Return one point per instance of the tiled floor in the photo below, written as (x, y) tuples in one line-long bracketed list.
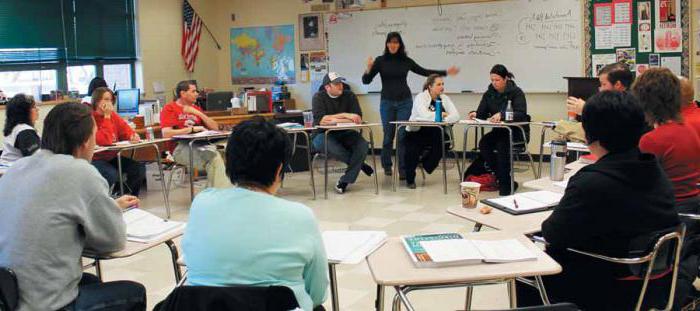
[(403, 212)]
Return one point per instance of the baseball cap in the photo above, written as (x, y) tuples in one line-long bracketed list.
[(332, 77)]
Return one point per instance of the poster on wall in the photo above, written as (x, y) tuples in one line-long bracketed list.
[(318, 67), (312, 36), (627, 56), (602, 22), (668, 40), (668, 14), (262, 55), (598, 61), (644, 27), (673, 63)]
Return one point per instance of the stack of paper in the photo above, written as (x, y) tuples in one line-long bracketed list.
[(142, 226), (289, 125), (200, 134), (462, 251), (351, 247)]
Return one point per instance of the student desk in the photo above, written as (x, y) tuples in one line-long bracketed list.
[(133, 248), (303, 131), (344, 127), (547, 125), (500, 220), (133, 146), (441, 126), (487, 124), (391, 266), (545, 183), (191, 139)]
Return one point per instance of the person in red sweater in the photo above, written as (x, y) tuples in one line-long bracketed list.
[(182, 117), (689, 110), (111, 128), (674, 142)]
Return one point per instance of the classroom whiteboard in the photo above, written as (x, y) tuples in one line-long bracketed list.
[(538, 40)]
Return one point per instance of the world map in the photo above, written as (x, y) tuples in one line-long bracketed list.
[(261, 55)]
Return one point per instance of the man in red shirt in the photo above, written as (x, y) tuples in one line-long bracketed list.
[(181, 117), (111, 128)]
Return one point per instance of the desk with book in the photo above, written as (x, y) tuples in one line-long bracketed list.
[(446, 260), (143, 232)]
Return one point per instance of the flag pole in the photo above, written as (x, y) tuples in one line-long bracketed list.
[(207, 28)]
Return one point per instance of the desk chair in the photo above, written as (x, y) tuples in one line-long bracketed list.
[(9, 290), (248, 298), (643, 264), (450, 142)]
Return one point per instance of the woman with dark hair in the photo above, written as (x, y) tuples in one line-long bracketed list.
[(21, 139), (423, 143), (95, 83), (494, 147), (111, 128), (248, 236), (395, 103)]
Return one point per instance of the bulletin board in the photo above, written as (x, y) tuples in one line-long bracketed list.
[(638, 32)]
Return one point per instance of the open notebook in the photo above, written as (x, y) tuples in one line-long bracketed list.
[(454, 252), (351, 247), (144, 227), (526, 202)]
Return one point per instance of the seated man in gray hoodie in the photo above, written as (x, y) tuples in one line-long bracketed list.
[(55, 205)]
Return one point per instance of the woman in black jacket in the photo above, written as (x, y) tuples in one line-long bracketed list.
[(494, 147), (396, 102)]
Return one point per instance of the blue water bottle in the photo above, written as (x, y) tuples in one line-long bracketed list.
[(438, 109)]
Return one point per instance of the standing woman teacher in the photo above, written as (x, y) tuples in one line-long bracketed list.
[(396, 101)]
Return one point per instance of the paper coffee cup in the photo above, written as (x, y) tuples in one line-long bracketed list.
[(470, 193)]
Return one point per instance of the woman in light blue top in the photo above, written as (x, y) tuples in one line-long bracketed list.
[(247, 236)]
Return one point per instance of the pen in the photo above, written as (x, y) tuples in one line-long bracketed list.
[(515, 203)]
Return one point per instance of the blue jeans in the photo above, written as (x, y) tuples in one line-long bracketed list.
[(346, 146), (394, 110), (135, 173), (117, 295)]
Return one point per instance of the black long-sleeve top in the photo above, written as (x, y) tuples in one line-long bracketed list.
[(393, 70)]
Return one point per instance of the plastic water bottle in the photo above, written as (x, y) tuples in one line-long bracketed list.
[(438, 110), (509, 112)]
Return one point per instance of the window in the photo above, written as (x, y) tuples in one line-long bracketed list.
[(67, 44), (79, 77), (118, 76), (32, 82)]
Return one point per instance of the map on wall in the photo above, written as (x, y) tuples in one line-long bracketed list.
[(261, 55)]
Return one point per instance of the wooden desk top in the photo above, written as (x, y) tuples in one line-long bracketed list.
[(491, 124), (500, 220), (347, 126), (133, 248), (391, 266)]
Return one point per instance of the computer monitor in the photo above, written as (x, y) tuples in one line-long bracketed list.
[(218, 101), (128, 102)]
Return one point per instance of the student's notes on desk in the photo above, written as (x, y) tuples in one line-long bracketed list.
[(351, 247), (526, 202), (142, 226), (452, 249)]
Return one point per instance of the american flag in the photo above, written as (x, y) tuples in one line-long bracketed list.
[(191, 29)]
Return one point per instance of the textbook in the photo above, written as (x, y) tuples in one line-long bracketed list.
[(351, 247), (144, 227), (526, 202), (463, 251), (415, 250)]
